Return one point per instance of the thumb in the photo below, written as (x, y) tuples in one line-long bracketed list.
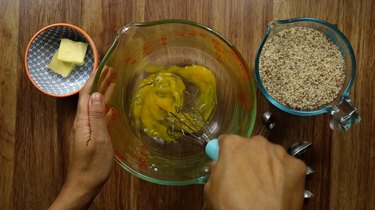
[(98, 125)]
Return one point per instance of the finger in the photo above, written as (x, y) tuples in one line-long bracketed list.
[(260, 138), (110, 115), (228, 143), (106, 81), (84, 97), (86, 90), (279, 151), (212, 166), (206, 188), (298, 166), (110, 91), (103, 74), (97, 118)]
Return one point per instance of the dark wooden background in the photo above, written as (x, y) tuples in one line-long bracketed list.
[(34, 127)]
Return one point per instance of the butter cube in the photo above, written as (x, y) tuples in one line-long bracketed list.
[(60, 67), (72, 52)]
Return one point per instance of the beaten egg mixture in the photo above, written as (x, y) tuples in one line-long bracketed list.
[(166, 92)]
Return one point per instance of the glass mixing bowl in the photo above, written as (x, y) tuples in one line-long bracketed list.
[(168, 43), (344, 115)]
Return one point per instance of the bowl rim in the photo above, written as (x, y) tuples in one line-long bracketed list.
[(252, 85), (88, 38), (279, 105)]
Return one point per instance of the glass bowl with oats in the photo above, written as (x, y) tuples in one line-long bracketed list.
[(306, 67)]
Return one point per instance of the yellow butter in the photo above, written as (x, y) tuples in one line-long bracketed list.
[(60, 67), (72, 52)]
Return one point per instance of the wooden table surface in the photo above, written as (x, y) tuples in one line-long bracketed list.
[(34, 127)]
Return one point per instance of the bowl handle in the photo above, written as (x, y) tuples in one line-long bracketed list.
[(344, 115)]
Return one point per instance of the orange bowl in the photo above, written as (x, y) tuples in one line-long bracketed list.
[(40, 50)]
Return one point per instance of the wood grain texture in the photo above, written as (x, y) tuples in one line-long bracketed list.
[(8, 82), (34, 128), (354, 153)]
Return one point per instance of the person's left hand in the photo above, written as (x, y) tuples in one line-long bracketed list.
[(91, 152)]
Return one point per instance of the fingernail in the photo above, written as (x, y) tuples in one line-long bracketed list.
[(96, 99)]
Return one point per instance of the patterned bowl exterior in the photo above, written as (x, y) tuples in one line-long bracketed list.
[(40, 52)]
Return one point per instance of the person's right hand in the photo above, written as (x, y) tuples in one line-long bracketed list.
[(255, 174)]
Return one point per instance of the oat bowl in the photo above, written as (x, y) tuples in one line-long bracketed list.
[(306, 67)]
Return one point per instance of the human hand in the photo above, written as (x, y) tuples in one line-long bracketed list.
[(255, 174), (90, 155)]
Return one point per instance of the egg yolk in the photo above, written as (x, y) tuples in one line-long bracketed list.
[(187, 93)]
